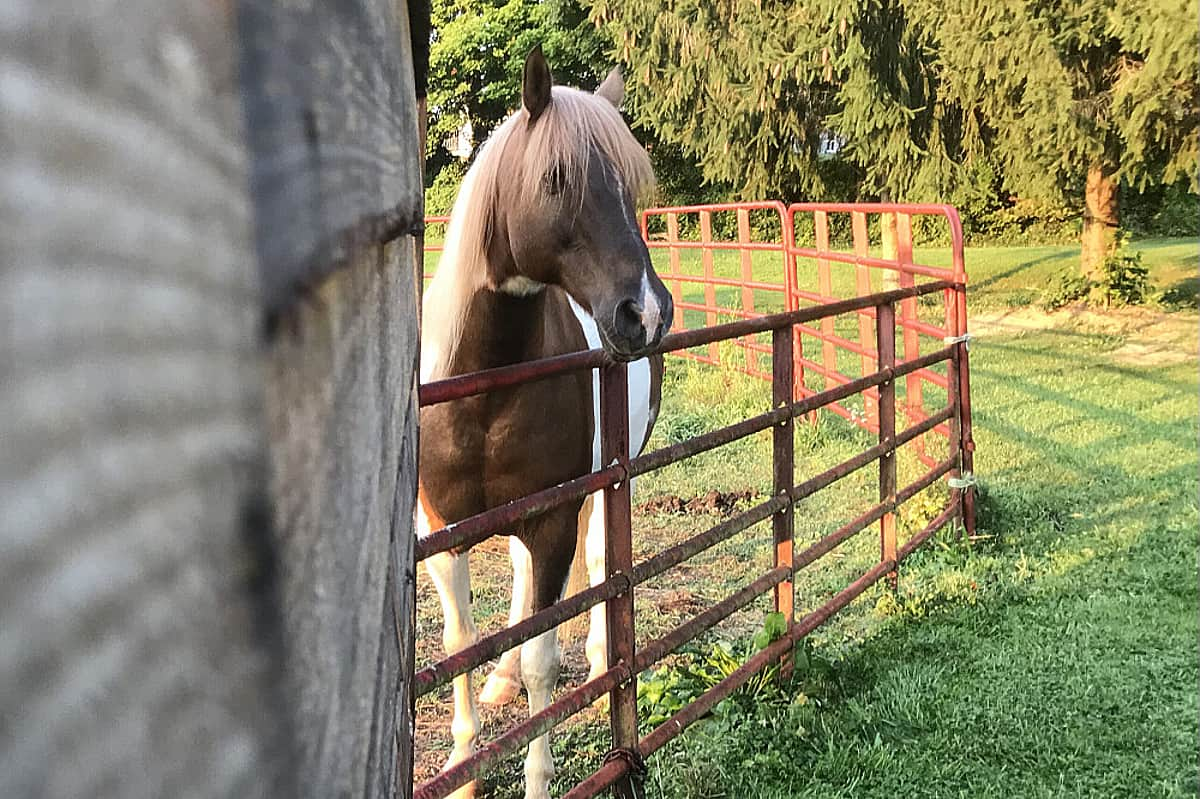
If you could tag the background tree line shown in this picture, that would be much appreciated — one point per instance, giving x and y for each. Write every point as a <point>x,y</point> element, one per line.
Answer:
<point>1040,120</point>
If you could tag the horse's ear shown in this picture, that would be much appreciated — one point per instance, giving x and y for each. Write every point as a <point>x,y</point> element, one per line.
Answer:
<point>613,88</point>
<point>535,84</point>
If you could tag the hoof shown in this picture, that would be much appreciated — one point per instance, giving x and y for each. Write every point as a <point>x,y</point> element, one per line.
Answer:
<point>499,690</point>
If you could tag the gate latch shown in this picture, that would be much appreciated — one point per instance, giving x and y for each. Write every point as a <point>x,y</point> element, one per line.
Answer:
<point>967,480</point>
<point>965,338</point>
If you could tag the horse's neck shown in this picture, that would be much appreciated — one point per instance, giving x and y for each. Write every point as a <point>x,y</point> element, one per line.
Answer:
<point>500,329</point>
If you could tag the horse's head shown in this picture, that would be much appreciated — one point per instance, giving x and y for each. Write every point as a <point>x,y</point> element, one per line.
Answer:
<point>565,213</point>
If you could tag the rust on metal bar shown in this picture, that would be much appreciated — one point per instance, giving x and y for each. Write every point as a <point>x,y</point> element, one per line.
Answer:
<point>920,538</point>
<point>493,752</point>
<point>472,530</point>
<point>824,545</point>
<point>467,385</point>
<point>926,480</point>
<point>677,554</point>
<point>835,473</point>
<point>580,698</point>
<point>658,649</point>
<point>438,674</point>
<point>885,333</point>
<point>698,707</point>
<point>782,525</point>
<point>481,382</point>
<point>618,559</point>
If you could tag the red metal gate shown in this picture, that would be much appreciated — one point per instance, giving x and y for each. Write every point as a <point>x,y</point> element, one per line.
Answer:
<point>882,371</point>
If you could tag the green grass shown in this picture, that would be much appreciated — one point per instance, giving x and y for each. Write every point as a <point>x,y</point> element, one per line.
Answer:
<point>1057,657</point>
<point>999,277</point>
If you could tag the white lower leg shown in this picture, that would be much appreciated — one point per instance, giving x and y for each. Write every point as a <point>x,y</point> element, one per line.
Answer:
<point>597,640</point>
<point>452,578</point>
<point>539,668</point>
<point>504,683</point>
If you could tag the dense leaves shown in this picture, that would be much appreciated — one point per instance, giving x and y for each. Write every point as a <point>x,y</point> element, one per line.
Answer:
<point>477,52</point>
<point>918,89</point>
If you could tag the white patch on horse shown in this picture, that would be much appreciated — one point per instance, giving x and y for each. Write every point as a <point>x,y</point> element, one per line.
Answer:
<point>521,286</point>
<point>639,391</point>
<point>651,312</point>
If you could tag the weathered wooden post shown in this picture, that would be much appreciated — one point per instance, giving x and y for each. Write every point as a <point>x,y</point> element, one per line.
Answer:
<point>138,637</point>
<point>333,131</point>
<point>196,597</point>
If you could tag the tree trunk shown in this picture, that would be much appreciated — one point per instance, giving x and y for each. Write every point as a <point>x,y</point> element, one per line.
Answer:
<point>891,252</point>
<point>1099,220</point>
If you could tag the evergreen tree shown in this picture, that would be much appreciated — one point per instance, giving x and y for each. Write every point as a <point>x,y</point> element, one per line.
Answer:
<point>1058,94</point>
<point>1084,94</point>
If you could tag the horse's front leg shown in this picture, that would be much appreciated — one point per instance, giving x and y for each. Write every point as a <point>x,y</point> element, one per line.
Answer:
<point>594,546</point>
<point>504,683</point>
<point>452,577</point>
<point>550,540</point>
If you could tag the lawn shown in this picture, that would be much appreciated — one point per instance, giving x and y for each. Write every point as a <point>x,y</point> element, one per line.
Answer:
<point>1054,656</point>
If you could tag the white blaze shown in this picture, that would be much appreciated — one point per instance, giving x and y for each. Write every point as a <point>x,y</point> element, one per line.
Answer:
<point>651,312</point>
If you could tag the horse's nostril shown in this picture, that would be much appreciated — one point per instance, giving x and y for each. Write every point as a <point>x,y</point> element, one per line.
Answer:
<point>627,320</point>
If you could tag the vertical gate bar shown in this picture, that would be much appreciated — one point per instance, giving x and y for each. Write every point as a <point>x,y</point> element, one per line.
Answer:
<point>791,296</point>
<point>862,277</point>
<point>964,370</point>
<point>885,319</point>
<point>614,414</point>
<point>710,291</point>
<point>783,523</point>
<point>964,404</point>
<point>747,262</point>
<point>673,257</point>
<point>953,400</point>
<point>914,400</point>
<point>825,288</point>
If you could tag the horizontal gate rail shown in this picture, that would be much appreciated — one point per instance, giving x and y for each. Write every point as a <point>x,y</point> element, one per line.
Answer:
<point>885,312</point>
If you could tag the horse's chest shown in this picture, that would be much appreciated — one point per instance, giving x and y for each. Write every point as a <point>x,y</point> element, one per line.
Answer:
<point>492,450</point>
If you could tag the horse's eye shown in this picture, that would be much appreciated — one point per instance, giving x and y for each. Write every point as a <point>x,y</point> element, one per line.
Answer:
<point>555,180</point>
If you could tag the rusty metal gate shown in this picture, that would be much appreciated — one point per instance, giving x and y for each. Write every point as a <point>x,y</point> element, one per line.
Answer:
<point>884,318</point>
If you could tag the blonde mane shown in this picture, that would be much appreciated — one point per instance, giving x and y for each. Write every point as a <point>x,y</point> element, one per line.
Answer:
<point>572,125</point>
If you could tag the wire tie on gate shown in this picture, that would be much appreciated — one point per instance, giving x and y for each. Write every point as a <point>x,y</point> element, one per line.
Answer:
<point>633,760</point>
<point>965,338</point>
<point>967,480</point>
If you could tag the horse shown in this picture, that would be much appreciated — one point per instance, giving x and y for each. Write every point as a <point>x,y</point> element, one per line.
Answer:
<point>543,256</point>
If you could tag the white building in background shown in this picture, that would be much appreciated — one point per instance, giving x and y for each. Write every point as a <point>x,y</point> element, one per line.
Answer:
<point>829,145</point>
<point>461,143</point>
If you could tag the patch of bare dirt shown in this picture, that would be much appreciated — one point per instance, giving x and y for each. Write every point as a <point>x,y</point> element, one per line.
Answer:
<point>1150,337</point>
<point>724,503</point>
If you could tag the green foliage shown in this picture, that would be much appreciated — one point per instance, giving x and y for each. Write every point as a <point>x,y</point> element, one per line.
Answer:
<point>694,670</point>
<point>477,53</point>
<point>1126,279</point>
<point>971,101</point>
<point>1059,659</point>
<point>1068,290</point>
<point>749,90</point>
<point>1170,210</point>
<point>439,197</point>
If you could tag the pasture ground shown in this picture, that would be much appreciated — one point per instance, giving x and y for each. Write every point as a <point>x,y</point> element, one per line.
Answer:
<point>1055,656</point>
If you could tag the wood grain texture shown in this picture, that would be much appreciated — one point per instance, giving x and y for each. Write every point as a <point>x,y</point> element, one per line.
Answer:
<point>328,91</point>
<point>136,654</point>
<point>163,630</point>
<point>342,418</point>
